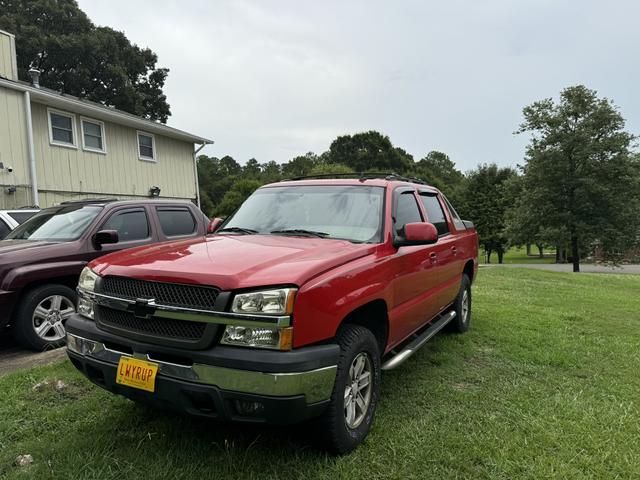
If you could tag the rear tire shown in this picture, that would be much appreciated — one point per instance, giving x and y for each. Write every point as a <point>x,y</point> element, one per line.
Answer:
<point>40,316</point>
<point>462,307</point>
<point>349,416</point>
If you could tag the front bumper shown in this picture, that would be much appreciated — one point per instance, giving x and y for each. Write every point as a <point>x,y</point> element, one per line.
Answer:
<point>220,382</point>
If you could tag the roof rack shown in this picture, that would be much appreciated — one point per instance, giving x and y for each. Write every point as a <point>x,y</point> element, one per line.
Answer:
<point>361,176</point>
<point>89,200</point>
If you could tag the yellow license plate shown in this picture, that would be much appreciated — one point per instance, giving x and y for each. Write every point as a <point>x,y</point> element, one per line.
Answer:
<point>136,373</point>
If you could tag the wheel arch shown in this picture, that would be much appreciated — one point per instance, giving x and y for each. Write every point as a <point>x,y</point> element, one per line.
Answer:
<point>469,270</point>
<point>373,316</point>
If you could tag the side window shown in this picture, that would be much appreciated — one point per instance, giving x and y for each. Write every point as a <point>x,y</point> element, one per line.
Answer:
<point>407,211</point>
<point>176,221</point>
<point>130,224</point>
<point>459,224</point>
<point>4,229</point>
<point>435,214</point>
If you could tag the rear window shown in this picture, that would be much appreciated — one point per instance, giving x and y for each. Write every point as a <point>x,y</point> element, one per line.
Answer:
<point>21,217</point>
<point>176,222</point>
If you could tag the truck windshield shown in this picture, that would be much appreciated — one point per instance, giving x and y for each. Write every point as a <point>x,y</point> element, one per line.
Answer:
<point>345,212</point>
<point>60,224</point>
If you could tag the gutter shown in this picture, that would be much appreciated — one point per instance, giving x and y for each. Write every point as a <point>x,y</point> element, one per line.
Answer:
<point>195,168</point>
<point>31,151</point>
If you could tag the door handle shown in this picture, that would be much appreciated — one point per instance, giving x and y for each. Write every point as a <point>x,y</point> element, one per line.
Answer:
<point>454,250</point>
<point>434,257</point>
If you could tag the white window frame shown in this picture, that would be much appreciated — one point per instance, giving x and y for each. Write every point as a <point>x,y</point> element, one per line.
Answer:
<point>74,130</point>
<point>153,159</point>
<point>102,133</point>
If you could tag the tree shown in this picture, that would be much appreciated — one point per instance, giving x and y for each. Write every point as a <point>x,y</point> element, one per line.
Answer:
<point>369,151</point>
<point>439,170</point>
<point>300,165</point>
<point>579,173</point>
<point>327,168</point>
<point>78,58</point>
<point>485,201</point>
<point>238,193</point>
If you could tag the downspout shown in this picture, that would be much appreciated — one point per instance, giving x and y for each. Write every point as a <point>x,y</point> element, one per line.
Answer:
<point>31,151</point>
<point>195,170</point>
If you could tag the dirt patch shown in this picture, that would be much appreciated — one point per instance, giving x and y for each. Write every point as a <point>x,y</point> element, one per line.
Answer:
<point>14,358</point>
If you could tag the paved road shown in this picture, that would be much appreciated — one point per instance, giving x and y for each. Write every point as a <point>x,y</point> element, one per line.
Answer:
<point>566,267</point>
<point>14,358</point>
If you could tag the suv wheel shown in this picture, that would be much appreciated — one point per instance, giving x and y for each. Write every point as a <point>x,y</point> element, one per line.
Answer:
<point>349,415</point>
<point>39,319</point>
<point>462,307</point>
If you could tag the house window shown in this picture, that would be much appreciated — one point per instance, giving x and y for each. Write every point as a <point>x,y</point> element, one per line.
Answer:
<point>62,129</point>
<point>146,147</point>
<point>93,138</point>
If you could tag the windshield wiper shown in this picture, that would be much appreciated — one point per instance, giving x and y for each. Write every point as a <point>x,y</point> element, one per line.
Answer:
<point>301,231</point>
<point>246,231</point>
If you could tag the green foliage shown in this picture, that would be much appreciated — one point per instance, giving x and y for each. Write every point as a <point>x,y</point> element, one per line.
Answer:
<point>485,200</point>
<point>236,195</point>
<point>369,151</point>
<point>326,168</point>
<point>580,182</point>
<point>78,58</point>
<point>438,170</point>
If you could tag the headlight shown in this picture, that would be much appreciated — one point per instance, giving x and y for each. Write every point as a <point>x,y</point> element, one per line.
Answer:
<point>260,337</point>
<point>278,301</point>
<point>87,280</point>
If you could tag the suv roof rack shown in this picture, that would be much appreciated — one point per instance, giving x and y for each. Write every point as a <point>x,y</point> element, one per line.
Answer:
<point>89,200</point>
<point>361,176</point>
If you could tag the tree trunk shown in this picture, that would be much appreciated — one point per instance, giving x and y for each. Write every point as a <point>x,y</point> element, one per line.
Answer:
<point>488,256</point>
<point>575,252</point>
<point>500,255</point>
<point>540,250</point>
<point>528,249</point>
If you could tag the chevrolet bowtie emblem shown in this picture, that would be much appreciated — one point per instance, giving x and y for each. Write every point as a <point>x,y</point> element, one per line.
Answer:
<point>144,308</point>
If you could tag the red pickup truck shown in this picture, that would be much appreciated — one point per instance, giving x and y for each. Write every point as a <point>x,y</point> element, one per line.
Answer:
<point>288,312</point>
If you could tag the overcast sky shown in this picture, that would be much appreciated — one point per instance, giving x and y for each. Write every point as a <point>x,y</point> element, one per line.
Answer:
<point>276,79</point>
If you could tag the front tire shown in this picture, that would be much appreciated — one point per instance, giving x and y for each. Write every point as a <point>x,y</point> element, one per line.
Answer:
<point>349,415</point>
<point>40,316</point>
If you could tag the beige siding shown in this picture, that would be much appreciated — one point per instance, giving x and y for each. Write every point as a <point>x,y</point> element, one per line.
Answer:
<point>76,173</point>
<point>13,150</point>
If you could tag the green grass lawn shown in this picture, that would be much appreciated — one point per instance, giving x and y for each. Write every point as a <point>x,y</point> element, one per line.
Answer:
<point>519,255</point>
<point>545,385</point>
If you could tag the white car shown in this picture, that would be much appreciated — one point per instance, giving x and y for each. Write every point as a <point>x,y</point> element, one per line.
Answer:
<point>10,219</point>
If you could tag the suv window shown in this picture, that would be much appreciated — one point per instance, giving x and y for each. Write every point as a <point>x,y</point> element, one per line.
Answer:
<point>130,225</point>
<point>407,211</point>
<point>176,221</point>
<point>459,224</point>
<point>4,229</point>
<point>435,214</point>
<point>21,217</point>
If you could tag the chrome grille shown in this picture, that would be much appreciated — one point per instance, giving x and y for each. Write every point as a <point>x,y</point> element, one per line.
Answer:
<point>172,294</point>
<point>156,327</point>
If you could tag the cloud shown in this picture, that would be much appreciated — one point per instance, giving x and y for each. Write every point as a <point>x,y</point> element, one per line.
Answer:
<point>272,80</point>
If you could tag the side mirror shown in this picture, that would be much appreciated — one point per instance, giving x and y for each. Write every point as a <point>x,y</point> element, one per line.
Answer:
<point>104,237</point>
<point>214,224</point>
<point>419,233</point>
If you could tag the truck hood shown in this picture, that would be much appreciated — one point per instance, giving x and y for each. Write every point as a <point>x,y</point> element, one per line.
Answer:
<point>26,248</point>
<point>233,261</point>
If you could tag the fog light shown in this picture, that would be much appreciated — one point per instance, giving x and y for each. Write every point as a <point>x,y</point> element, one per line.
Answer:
<point>260,337</point>
<point>85,307</point>
<point>246,408</point>
<point>80,345</point>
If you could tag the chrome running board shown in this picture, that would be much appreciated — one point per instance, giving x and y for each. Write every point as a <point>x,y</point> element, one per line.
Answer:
<point>414,345</point>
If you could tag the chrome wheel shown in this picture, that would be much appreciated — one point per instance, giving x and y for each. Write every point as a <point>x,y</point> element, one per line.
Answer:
<point>357,394</point>
<point>464,307</point>
<point>49,315</point>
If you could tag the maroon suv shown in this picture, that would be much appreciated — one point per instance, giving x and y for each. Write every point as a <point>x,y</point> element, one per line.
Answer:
<point>40,260</point>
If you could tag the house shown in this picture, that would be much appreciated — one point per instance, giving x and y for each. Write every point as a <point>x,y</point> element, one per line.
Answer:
<point>55,147</point>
